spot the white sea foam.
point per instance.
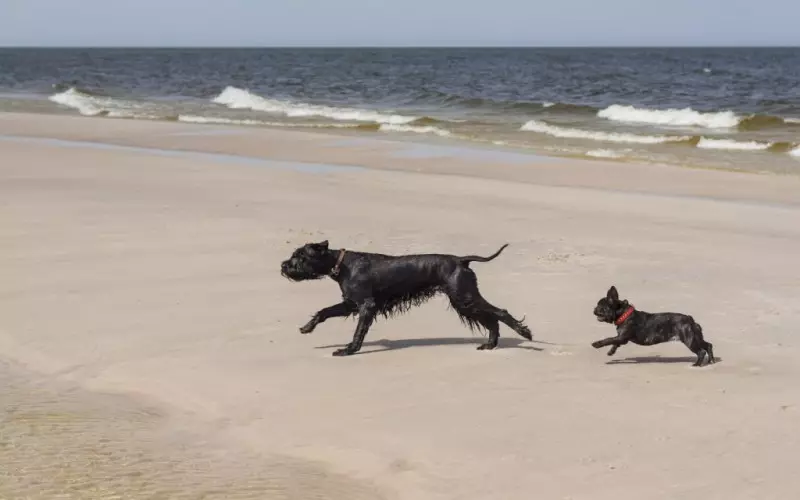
(574, 133)
(417, 130)
(605, 153)
(218, 120)
(792, 120)
(732, 145)
(548, 104)
(89, 105)
(795, 152)
(686, 117)
(236, 98)
(85, 104)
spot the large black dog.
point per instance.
(373, 284)
(644, 328)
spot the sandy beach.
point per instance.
(148, 339)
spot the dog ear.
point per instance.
(322, 246)
(612, 293)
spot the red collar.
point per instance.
(627, 314)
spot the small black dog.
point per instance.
(373, 284)
(649, 329)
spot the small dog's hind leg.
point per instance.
(692, 337)
(335, 311)
(710, 350)
(613, 350)
(366, 315)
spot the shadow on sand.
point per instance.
(393, 345)
(655, 359)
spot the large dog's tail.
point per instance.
(476, 258)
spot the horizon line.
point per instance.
(410, 47)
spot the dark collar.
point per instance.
(338, 267)
(624, 317)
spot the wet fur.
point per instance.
(646, 329)
(383, 285)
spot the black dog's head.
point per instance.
(609, 308)
(309, 262)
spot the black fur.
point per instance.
(375, 284)
(650, 329)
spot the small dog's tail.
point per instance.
(476, 258)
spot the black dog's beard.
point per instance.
(294, 274)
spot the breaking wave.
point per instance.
(236, 98)
(95, 105)
(605, 153)
(259, 123)
(618, 137)
(732, 145)
(388, 127)
(686, 117)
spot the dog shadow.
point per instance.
(654, 359)
(394, 345)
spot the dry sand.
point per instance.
(150, 346)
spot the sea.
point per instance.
(720, 108)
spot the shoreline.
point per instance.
(141, 259)
(709, 148)
(408, 156)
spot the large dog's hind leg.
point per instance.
(465, 289)
(335, 311)
(366, 315)
(493, 327)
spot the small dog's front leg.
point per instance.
(366, 315)
(335, 311)
(614, 342)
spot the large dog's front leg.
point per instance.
(614, 342)
(366, 315)
(335, 311)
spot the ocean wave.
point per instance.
(388, 127)
(732, 145)
(795, 152)
(758, 122)
(618, 137)
(85, 104)
(686, 117)
(217, 120)
(236, 98)
(795, 121)
(605, 153)
(96, 105)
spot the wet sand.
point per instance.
(151, 349)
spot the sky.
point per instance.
(399, 22)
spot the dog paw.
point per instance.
(597, 345)
(307, 328)
(486, 347)
(525, 333)
(345, 351)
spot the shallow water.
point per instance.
(732, 108)
(58, 441)
(316, 168)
